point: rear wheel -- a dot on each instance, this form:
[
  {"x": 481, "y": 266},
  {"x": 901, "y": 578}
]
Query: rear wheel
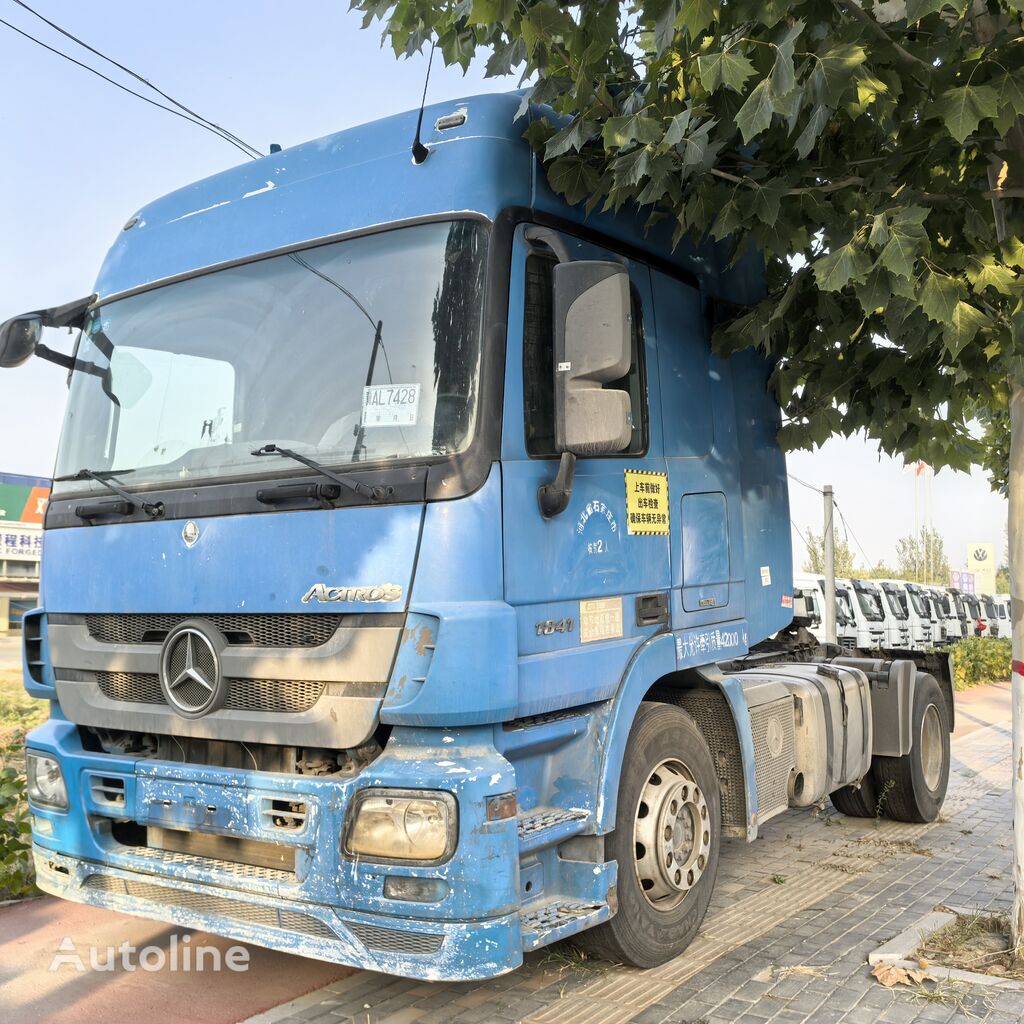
[
  {"x": 912, "y": 787},
  {"x": 858, "y": 800},
  {"x": 666, "y": 840}
]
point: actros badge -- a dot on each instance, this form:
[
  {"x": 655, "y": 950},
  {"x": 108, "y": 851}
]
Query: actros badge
[{"x": 385, "y": 592}]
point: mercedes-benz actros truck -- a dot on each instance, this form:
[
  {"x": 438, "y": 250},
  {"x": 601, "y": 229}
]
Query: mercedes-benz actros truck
[{"x": 409, "y": 565}]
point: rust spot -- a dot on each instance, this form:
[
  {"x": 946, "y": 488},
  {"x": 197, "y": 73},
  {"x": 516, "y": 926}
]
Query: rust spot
[{"x": 424, "y": 640}]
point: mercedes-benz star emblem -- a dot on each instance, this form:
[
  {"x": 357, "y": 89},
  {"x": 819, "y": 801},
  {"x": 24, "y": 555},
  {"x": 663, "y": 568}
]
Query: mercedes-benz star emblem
[
  {"x": 190, "y": 673},
  {"x": 190, "y": 533}
]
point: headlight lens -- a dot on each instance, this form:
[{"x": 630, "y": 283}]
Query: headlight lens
[
  {"x": 404, "y": 825},
  {"x": 45, "y": 781}
]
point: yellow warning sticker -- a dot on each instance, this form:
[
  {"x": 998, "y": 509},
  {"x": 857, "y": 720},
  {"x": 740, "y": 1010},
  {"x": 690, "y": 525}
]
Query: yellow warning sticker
[{"x": 646, "y": 503}]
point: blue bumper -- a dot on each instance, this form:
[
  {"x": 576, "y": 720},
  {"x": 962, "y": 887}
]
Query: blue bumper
[{"x": 318, "y": 902}]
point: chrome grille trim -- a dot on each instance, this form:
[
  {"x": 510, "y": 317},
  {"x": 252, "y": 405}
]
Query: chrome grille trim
[{"x": 285, "y": 696}]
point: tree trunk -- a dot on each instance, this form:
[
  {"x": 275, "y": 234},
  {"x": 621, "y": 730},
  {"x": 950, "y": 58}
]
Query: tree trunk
[{"x": 1015, "y": 541}]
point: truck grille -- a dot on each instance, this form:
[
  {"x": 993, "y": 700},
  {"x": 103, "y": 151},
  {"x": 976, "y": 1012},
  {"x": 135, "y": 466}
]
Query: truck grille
[
  {"x": 290, "y": 696},
  {"x": 247, "y": 630}
]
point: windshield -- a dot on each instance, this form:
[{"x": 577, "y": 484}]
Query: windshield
[
  {"x": 360, "y": 351},
  {"x": 844, "y": 609},
  {"x": 896, "y": 605},
  {"x": 920, "y": 603},
  {"x": 870, "y": 605}
]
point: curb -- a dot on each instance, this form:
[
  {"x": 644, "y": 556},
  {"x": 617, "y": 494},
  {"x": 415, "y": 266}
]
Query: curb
[{"x": 897, "y": 951}]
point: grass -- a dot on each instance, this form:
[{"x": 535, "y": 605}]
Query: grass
[
  {"x": 18, "y": 714},
  {"x": 975, "y": 942}
]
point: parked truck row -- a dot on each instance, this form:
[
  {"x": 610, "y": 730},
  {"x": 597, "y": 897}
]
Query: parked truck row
[{"x": 889, "y": 614}]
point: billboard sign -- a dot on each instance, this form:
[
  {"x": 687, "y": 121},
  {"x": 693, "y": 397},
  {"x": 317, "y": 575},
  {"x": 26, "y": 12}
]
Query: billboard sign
[
  {"x": 23, "y": 499},
  {"x": 981, "y": 560},
  {"x": 20, "y": 542},
  {"x": 962, "y": 581}
]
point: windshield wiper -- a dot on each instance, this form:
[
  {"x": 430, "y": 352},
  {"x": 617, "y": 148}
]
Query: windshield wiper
[
  {"x": 373, "y": 493},
  {"x": 152, "y": 509}
]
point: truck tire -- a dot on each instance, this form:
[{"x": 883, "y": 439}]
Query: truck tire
[
  {"x": 667, "y": 835},
  {"x": 857, "y": 801},
  {"x": 912, "y": 787}
]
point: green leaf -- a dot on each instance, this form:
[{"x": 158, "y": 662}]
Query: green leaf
[
  {"x": 837, "y": 269},
  {"x": 572, "y": 137},
  {"x": 837, "y": 66},
  {"x": 918, "y": 9},
  {"x": 622, "y": 131},
  {"x": 573, "y": 178},
  {"x": 767, "y": 199},
  {"x": 724, "y": 68},
  {"x": 676, "y": 130},
  {"x": 879, "y": 234},
  {"x": 665, "y": 27},
  {"x": 697, "y": 15},
  {"x": 491, "y": 12},
  {"x": 939, "y": 296},
  {"x": 1013, "y": 251},
  {"x": 809, "y": 136},
  {"x": 756, "y": 113},
  {"x": 964, "y": 108},
  {"x": 874, "y": 291},
  {"x": 631, "y": 167},
  {"x": 963, "y": 325},
  {"x": 983, "y": 272}
]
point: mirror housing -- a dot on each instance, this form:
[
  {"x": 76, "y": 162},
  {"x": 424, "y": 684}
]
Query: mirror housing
[
  {"x": 593, "y": 346},
  {"x": 19, "y": 337}
]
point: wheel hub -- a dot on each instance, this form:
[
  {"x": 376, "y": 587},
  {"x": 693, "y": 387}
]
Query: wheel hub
[{"x": 672, "y": 835}]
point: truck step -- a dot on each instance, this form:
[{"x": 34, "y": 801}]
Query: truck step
[
  {"x": 545, "y": 826},
  {"x": 558, "y": 917}
]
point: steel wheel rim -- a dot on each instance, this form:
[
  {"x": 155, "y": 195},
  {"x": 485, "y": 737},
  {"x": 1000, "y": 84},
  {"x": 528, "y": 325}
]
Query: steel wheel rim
[
  {"x": 671, "y": 835},
  {"x": 931, "y": 747}
]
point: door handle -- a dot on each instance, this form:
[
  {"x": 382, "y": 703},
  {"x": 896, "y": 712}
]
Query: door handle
[{"x": 652, "y": 609}]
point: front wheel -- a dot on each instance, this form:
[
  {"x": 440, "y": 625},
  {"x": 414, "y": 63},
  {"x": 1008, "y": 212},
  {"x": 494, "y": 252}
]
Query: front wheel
[{"x": 666, "y": 840}]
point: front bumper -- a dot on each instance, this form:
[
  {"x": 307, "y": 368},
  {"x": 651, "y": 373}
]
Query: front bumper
[
  {"x": 316, "y": 902},
  {"x": 448, "y": 950}
]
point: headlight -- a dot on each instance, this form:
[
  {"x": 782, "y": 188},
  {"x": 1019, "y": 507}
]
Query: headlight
[
  {"x": 402, "y": 825},
  {"x": 45, "y": 782}
]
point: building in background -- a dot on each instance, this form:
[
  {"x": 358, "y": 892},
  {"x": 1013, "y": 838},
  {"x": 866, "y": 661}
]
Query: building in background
[{"x": 22, "y": 507}]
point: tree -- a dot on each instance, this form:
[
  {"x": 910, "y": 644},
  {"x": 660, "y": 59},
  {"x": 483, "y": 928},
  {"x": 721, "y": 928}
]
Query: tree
[
  {"x": 922, "y": 558},
  {"x": 815, "y": 561},
  {"x": 871, "y": 150}
]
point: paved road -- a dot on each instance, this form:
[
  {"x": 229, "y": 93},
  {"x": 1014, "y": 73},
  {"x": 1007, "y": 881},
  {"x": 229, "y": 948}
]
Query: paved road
[{"x": 847, "y": 886}]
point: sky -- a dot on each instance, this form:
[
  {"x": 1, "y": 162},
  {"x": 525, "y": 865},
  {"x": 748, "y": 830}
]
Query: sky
[{"x": 80, "y": 157}]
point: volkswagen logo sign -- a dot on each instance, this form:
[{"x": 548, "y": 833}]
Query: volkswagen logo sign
[
  {"x": 190, "y": 669},
  {"x": 190, "y": 533}
]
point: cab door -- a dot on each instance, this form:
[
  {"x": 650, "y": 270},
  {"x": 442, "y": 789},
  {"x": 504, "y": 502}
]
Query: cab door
[{"x": 590, "y": 583}]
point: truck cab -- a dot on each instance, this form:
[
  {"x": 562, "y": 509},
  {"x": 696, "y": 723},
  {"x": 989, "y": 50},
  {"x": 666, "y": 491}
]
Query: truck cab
[
  {"x": 404, "y": 523},
  {"x": 990, "y": 615},
  {"x": 846, "y": 626},
  {"x": 922, "y": 617},
  {"x": 897, "y": 614},
  {"x": 865, "y": 598}
]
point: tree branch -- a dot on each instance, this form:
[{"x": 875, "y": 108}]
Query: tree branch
[{"x": 853, "y": 8}]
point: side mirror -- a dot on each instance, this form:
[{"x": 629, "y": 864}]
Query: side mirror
[
  {"x": 593, "y": 346},
  {"x": 19, "y": 337}
]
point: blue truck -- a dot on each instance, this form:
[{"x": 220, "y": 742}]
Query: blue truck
[{"x": 417, "y": 582}]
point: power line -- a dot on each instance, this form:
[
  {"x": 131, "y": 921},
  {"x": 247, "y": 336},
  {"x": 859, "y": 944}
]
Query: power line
[
  {"x": 804, "y": 483},
  {"x": 849, "y": 530},
  {"x": 124, "y": 88},
  {"x": 230, "y": 136}
]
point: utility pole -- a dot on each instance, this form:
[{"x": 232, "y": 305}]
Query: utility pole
[{"x": 830, "y": 567}]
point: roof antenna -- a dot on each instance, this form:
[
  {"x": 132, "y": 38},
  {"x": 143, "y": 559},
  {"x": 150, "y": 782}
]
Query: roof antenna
[{"x": 419, "y": 151}]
